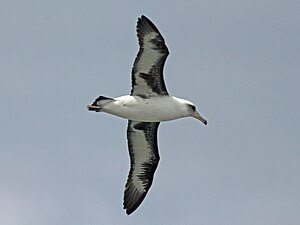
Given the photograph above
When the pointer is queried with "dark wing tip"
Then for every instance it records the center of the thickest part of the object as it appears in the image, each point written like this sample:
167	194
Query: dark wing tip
145	25
132	198
144	21
130	208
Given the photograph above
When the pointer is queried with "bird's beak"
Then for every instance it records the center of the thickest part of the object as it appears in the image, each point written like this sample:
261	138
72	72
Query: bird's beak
198	117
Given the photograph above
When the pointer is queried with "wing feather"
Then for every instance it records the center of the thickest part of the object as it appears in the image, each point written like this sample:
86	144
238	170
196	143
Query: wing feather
147	71
144	158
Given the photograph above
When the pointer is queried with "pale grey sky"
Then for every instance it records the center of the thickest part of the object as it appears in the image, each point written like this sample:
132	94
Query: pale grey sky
238	61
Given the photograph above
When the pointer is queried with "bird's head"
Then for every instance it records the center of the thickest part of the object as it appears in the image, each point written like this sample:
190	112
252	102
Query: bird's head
195	114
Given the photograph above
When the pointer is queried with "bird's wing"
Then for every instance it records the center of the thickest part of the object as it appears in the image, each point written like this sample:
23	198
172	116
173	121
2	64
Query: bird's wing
144	158
147	71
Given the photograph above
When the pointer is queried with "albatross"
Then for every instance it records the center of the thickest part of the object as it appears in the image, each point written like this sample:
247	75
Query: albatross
148	104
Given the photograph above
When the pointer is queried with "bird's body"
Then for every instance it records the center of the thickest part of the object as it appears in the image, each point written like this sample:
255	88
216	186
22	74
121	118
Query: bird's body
148	104
146	109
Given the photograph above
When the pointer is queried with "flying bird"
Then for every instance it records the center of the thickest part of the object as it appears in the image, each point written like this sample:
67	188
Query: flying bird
148	104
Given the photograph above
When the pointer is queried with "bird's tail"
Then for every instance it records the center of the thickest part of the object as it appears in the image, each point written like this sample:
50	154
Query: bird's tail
98	103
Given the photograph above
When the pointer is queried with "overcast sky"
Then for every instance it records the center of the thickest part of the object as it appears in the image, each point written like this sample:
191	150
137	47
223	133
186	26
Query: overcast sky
238	61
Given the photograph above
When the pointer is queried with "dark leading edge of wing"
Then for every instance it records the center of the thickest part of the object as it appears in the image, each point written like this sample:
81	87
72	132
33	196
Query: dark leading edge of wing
147	71
144	158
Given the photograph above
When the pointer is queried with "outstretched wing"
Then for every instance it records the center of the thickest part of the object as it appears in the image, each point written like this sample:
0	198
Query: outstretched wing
144	158
147	71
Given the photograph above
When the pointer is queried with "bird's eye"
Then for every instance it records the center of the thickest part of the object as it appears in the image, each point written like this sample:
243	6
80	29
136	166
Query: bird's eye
193	107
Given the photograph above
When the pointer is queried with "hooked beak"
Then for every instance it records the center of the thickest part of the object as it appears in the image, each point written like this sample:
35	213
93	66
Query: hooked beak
198	117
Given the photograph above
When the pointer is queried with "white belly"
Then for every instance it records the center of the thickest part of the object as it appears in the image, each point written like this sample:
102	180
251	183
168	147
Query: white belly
148	110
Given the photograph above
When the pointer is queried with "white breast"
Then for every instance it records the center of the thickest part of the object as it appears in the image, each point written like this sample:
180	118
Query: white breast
148	109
